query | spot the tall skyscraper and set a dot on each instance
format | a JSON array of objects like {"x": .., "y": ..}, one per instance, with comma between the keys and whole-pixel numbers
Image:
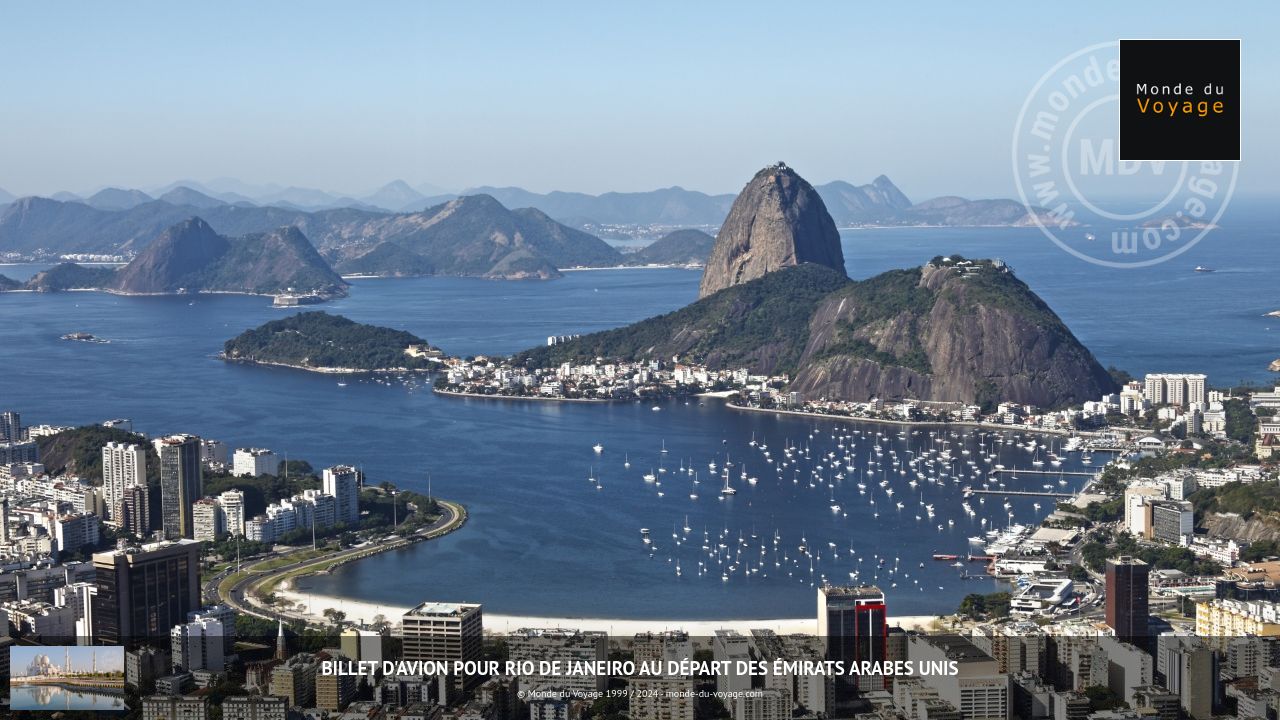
[
  {"x": 181, "y": 483},
  {"x": 853, "y": 621},
  {"x": 124, "y": 465},
  {"x": 144, "y": 591},
  {"x": 340, "y": 481},
  {"x": 1127, "y": 611}
]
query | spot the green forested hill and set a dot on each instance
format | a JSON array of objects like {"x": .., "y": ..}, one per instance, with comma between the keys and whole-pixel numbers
[{"x": 317, "y": 340}]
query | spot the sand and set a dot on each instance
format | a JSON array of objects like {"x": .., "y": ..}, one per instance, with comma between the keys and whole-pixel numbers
[{"x": 360, "y": 611}]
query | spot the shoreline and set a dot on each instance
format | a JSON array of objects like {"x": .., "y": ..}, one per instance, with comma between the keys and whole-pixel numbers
[
  {"x": 633, "y": 267},
  {"x": 322, "y": 370},
  {"x": 124, "y": 293},
  {"x": 539, "y": 398},
  {"x": 921, "y": 423},
  {"x": 364, "y": 611}
]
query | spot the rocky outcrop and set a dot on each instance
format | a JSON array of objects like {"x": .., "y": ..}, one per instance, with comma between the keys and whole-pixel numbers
[
  {"x": 1231, "y": 525},
  {"x": 165, "y": 264},
  {"x": 191, "y": 257},
  {"x": 777, "y": 221},
  {"x": 959, "y": 330}
]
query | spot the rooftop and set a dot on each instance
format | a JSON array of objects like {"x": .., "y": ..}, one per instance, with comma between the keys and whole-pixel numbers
[
  {"x": 869, "y": 592},
  {"x": 442, "y": 609},
  {"x": 956, "y": 648}
]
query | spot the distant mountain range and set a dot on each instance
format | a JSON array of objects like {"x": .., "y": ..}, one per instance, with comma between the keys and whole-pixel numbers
[
  {"x": 470, "y": 236},
  {"x": 877, "y": 203}
]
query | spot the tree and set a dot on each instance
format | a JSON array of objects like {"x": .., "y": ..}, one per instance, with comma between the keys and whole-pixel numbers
[
  {"x": 335, "y": 616},
  {"x": 1103, "y": 698}
]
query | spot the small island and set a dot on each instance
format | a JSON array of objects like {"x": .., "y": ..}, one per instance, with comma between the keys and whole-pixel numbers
[{"x": 319, "y": 342}]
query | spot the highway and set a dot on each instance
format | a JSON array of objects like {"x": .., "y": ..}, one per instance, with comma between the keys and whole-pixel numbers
[{"x": 236, "y": 594}]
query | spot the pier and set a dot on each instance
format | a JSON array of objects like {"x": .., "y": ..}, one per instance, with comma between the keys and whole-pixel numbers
[
  {"x": 1073, "y": 473},
  {"x": 1026, "y": 493}
]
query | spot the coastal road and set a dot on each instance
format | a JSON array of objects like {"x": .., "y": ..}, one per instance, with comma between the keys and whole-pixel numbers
[{"x": 236, "y": 593}]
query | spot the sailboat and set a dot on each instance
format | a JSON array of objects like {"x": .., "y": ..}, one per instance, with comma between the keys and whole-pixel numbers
[
  {"x": 727, "y": 489},
  {"x": 626, "y": 461}
]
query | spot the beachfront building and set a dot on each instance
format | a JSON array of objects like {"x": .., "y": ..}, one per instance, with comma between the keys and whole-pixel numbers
[{"x": 443, "y": 632}]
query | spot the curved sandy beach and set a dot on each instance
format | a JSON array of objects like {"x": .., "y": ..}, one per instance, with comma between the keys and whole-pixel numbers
[{"x": 360, "y": 611}]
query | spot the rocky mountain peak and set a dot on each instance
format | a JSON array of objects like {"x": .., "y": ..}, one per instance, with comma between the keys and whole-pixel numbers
[{"x": 777, "y": 221}]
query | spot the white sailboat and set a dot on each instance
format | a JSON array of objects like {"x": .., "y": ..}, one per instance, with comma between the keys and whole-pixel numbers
[{"x": 727, "y": 489}]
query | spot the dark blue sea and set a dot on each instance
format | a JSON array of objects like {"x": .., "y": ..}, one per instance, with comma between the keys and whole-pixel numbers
[{"x": 542, "y": 539}]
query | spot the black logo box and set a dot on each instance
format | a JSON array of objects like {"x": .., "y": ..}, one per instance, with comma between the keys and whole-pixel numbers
[{"x": 1186, "y": 65}]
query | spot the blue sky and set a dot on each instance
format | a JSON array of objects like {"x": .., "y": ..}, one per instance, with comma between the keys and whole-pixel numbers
[{"x": 572, "y": 96}]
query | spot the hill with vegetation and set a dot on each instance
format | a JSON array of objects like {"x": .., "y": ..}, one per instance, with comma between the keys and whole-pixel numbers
[
  {"x": 682, "y": 247},
  {"x": 78, "y": 451},
  {"x": 959, "y": 330},
  {"x": 323, "y": 342},
  {"x": 71, "y": 276},
  {"x": 763, "y": 324},
  {"x": 387, "y": 259}
]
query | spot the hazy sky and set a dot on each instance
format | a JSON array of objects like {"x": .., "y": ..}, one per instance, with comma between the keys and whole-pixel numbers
[{"x": 589, "y": 97}]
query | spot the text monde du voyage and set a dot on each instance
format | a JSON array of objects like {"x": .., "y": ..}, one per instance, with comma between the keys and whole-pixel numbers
[
  {"x": 1180, "y": 99},
  {"x": 606, "y": 668}
]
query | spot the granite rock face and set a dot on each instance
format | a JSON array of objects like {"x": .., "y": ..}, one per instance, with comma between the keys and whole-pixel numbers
[
  {"x": 777, "y": 221},
  {"x": 970, "y": 333},
  {"x": 191, "y": 257}
]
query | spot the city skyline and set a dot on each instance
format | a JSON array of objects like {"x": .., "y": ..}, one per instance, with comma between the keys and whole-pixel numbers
[{"x": 606, "y": 100}]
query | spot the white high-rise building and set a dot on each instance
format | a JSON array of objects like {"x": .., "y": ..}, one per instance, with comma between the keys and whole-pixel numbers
[
  {"x": 232, "y": 504},
  {"x": 1180, "y": 389},
  {"x": 124, "y": 465},
  {"x": 199, "y": 645},
  {"x": 252, "y": 462},
  {"x": 340, "y": 481}
]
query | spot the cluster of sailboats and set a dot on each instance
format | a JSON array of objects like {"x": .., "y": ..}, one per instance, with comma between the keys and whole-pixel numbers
[{"x": 867, "y": 472}]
